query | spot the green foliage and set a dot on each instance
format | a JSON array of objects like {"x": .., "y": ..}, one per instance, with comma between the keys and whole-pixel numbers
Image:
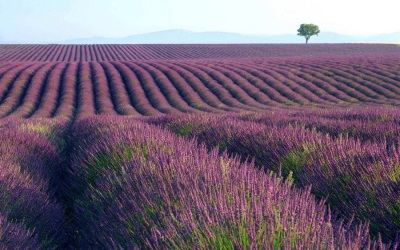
[
  {"x": 296, "y": 160},
  {"x": 222, "y": 145},
  {"x": 184, "y": 130},
  {"x": 288, "y": 102},
  {"x": 308, "y": 30},
  {"x": 395, "y": 209},
  {"x": 111, "y": 160},
  {"x": 38, "y": 128},
  {"x": 394, "y": 174},
  {"x": 261, "y": 234},
  {"x": 213, "y": 238},
  {"x": 277, "y": 238},
  {"x": 244, "y": 238}
]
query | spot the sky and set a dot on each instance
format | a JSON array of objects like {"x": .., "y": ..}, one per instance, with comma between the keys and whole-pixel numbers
[{"x": 41, "y": 21}]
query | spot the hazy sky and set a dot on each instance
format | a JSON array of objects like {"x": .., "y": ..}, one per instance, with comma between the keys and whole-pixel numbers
[{"x": 58, "y": 20}]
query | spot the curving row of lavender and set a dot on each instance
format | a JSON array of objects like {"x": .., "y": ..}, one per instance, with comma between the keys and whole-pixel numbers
[
  {"x": 360, "y": 179},
  {"x": 73, "y": 90},
  {"x": 129, "y": 52},
  {"x": 115, "y": 162},
  {"x": 117, "y": 182},
  {"x": 31, "y": 213},
  {"x": 138, "y": 186},
  {"x": 320, "y": 125},
  {"x": 367, "y": 124}
]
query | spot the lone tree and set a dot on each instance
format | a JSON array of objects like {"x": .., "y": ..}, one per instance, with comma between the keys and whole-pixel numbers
[{"x": 308, "y": 30}]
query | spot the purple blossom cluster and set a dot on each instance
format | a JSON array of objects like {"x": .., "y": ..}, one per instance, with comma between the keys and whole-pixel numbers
[
  {"x": 138, "y": 186},
  {"x": 247, "y": 146},
  {"x": 119, "y": 182},
  {"x": 368, "y": 124},
  {"x": 31, "y": 216},
  {"x": 359, "y": 179}
]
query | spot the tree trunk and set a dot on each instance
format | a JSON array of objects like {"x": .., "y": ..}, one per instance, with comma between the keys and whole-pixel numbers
[{"x": 307, "y": 40}]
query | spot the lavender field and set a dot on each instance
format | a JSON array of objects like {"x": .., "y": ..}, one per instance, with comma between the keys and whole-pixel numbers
[{"x": 200, "y": 146}]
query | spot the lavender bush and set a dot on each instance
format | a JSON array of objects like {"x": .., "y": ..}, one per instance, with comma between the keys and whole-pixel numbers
[
  {"x": 29, "y": 167},
  {"x": 358, "y": 179},
  {"x": 142, "y": 187}
]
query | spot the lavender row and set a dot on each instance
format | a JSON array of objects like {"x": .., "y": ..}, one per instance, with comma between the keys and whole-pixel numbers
[
  {"x": 118, "y": 89},
  {"x": 137, "y": 186},
  {"x": 77, "y": 90},
  {"x": 31, "y": 215},
  {"x": 233, "y": 86},
  {"x": 168, "y": 89},
  {"x": 192, "y": 82},
  {"x": 31, "y": 94},
  {"x": 368, "y": 124},
  {"x": 151, "y": 89},
  {"x": 140, "y": 95},
  {"x": 129, "y": 52},
  {"x": 14, "y": 87},
  {"x": 360, "y": 179},
  {"x": 184, "y": 88},
  {"x": 67, "y": 99},
  {"x": 215, "y": 87}
]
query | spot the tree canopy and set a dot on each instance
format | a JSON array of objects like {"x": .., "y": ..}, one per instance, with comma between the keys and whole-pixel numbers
[{"x": 307, "y": 30}]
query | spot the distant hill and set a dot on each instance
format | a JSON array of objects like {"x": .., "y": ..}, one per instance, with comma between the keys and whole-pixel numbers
[{"x": 178, "y": 36}]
